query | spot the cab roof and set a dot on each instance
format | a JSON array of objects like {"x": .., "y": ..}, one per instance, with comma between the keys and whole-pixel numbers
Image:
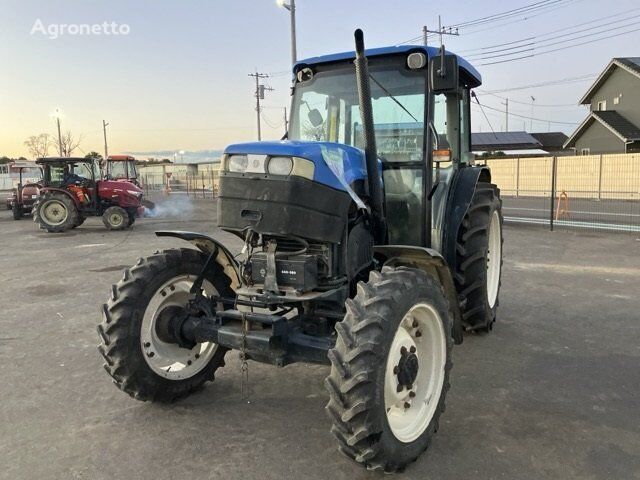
[
  {"x": 41, "y": 161},
  {"x": 120, "y": 158},
  {"x": 474, "y": 79}
]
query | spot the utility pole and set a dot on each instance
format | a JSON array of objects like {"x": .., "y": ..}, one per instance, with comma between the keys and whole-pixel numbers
[
  {"x": 286, "y": 122},
  {"x": 260, "y": 89},
  {"x": 104, "y": 129},
  {"x": 506, "y": 115},
  {"x": 441, "y": 31},
  {"x": 57, "y": 117}
]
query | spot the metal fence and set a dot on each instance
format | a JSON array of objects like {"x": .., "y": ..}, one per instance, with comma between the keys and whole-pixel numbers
[
  {"x": 595, "y": 192},
  {"x": 200, "y": 185}
]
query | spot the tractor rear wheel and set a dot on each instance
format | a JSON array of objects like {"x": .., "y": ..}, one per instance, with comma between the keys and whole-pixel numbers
[
  {"x": 55, "y": 212},
  {"x": 115, "y": 218},
  {"x": 479, "y": 258},
  {"x": 17, "y": 211},
  {"x": 136, "y": 357},
  {"x": 80, "y": 221},
  {"x": 390, "y": 368}
]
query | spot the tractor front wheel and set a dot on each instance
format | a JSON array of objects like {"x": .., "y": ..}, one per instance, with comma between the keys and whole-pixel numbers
[
  {"x": 137, "y": 355},
  {"x": 55, "y": 212},
  {"x": 115, "y": 218},
  {"x": 390, "y": 368}
]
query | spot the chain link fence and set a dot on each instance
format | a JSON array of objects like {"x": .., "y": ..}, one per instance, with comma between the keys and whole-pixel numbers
[{"x": 594, "y": 192}]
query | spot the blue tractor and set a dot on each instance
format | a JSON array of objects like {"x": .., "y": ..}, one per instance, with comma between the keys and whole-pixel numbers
[{"x": 371, "y": 242}]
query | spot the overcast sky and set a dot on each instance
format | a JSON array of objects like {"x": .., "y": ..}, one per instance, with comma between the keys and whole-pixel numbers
[{"x": 178, "y": 80}]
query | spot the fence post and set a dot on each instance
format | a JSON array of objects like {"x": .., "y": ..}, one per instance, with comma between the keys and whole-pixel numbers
[
  {"x": 517, "y": 177},
  {"x": 553, "y": 190},
  {"x": 600, "y": 179}
]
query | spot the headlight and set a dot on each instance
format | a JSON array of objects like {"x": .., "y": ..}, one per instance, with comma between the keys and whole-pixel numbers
[
  {"x": 237, "y": 163},
  {"x": 134, "y": 193},
  {"x": 280, "y": 166}
]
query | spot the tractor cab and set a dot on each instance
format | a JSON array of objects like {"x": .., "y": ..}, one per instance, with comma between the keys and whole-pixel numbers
[
  {"x": 122, "y": 167},
  {"x": 26, "y": 190}
]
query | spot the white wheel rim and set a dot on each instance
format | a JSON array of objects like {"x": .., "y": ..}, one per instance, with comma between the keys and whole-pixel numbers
[
  {"x": 168, "y": 359},
  {"x": 54, "y": 212},
  {"x": 410, "y": 410},
  {"x": 494, "y": 259},
  {"x": 115, "y": 219}
]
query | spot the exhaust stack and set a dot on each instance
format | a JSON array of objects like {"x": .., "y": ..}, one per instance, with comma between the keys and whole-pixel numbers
[{"x": 370, "y": 151}]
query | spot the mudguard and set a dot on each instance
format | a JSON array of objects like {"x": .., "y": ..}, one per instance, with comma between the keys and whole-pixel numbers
[
  {"x": 462, "y": 191},
  {"x": 62, "y": 191},
  {"x": 431, "y": 262},
  {"x": 208, "y": 245}
]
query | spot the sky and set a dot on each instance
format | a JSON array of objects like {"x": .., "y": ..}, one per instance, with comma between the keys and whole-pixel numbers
[{"x": 175, "y": 76}]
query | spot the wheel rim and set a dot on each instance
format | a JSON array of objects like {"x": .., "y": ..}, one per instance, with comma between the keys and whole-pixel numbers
[
  {"x": 54, "y": 212},
  {"x": 115, "y": 219},
  {"x": 420, "y": 341},
  {"x": 168, "y": 359},
  {"x": 494, "y": 259}
]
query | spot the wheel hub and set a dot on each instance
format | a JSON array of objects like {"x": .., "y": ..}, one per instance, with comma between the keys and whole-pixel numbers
[
  {"x": 169, "y": 326},
  {"x": 407, "y": 368}
]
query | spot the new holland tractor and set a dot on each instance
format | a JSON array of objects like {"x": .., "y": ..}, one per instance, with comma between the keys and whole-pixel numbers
[{"x": 371, "y": 243}]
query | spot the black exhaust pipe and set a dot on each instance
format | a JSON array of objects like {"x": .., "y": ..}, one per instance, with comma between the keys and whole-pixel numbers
[{"x": 370, "y": 151}]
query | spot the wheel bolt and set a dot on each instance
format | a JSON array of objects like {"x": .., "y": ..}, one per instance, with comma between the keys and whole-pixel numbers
[
  {"x": 396, "y": 369},
  {"x": 151, "y": 354},
  {"x": 188, "y": 362},
  {"x": 415, "y": 324},
  {"x": 412, "y": 394},
  {"x": 410, "y": 387},
  {"x": 403, "y": 351},
  {"x": 197, "y": 356},
  {"x": 147, "y": 344},
  {"x": 407, "y": 405},
  {"x": 418, "y": 333},
  {"x": 412, "y": 349},
  {"x": 399, "y": 389}
]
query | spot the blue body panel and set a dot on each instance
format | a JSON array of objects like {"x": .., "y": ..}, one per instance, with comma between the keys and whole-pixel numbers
[
  {"x": 429, "y": 51},
  {"x": 333, "y": 161}
]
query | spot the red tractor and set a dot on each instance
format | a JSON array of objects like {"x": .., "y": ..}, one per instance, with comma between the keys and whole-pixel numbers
[
  {"x": 26, "y": 191},
  {"x": 72, "y": 191}
]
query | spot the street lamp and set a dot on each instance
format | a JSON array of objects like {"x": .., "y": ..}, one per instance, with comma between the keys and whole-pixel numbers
[{"x": 291, "y": 6}]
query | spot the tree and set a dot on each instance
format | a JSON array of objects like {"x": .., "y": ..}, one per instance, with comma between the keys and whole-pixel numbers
[
  {"x": 95, "y": 156},
  {"x": 69, "y": 143},
  {"x": 39, "y": 145}
]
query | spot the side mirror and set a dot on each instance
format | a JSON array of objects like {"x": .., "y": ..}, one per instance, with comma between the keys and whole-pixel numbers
[
  {"x": 443, "y": 73},
  {"x": 315, "y": 117}
]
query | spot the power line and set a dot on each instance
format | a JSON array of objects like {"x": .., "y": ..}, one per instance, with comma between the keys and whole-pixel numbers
[
  {"x": 509, "y": 13},
  {"x": 562, "y": 81},
  {"x": 528, "y": 117},
  {"x": 544, "y": 52}
]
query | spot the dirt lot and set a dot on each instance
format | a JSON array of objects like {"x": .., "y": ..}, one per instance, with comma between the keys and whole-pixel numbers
[{"x": 553, "y": 392}]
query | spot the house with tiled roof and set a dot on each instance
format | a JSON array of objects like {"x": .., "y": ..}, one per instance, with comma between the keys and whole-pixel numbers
[{"x": 613, "y": 124}]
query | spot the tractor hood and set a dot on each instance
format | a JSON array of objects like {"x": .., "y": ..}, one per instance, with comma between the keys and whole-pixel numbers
[{"x": 336, "y": 165}]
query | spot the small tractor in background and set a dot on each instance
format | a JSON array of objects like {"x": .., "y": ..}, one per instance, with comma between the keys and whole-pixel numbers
[
  {"x": 123, "y": 168},
  {"x": 371, "y": 242},
  {"x": 26, "y": 191},
  {"x": 72, "y": 191}
]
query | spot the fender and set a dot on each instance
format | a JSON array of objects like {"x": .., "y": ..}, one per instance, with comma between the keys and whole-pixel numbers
[
  {"x": 208, "y": 245},
  {"x": 63, "y": 191},
  {"x": 431, "y": 262},
  {"x": 462, "y": 191}
]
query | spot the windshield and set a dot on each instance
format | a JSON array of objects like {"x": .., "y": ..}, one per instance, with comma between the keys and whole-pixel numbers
[
  {"x": 326, "y": 109},
  {"x": 120, "y": 169}
]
